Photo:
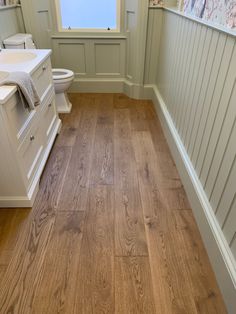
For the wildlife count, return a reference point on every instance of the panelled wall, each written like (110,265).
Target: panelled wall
(197,80)
(91,58)
(154,32)
(102,62)
(11,22)
(196,84)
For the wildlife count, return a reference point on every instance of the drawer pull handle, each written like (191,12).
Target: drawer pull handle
(32,138)
(44,68)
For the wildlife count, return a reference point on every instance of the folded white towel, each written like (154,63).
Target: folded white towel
(26,88)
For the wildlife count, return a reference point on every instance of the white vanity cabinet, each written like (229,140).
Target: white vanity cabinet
(26,139)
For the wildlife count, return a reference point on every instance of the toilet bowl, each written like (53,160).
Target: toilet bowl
(62,79)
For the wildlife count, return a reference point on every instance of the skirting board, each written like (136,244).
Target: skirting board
(107,85)
(97,86)
(218,250)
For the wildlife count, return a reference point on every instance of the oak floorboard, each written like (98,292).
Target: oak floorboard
(130,238)
(70,123)
(57,288)
(201,275)
(11,223)
(75,191)
(24,271)
(105,105)
(158,136)
(111,230)
(95,277)
(140,115)
(121,101)
(148,166)
(102,168)
(185,305)
(167,218)
(133,289)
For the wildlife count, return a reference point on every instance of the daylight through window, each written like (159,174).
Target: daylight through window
(90,15)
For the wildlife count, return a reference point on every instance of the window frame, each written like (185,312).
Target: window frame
(88,30)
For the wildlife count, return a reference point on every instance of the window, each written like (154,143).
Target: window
(88,15)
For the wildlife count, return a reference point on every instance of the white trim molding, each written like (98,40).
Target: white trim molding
(111,85)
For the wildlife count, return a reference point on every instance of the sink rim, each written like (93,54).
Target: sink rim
(16,57)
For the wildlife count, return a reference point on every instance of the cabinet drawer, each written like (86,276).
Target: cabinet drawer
(49,117)
(42,78)
(19,119)
(31,151)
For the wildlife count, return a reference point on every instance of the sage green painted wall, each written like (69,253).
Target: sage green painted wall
(11,22)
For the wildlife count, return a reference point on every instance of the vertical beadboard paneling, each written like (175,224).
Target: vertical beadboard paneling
(153,44)
(225,63)
(204,87)
(184,68)
(198,86)
(180,71)
(170,48)
(225,168)
(188,90)
(222,109)
(188,71)
(222,145)
(227,196)
(229,225)
(197,81)
(233,246)
(176,65)
(209,95)
(196,70)
(175,52)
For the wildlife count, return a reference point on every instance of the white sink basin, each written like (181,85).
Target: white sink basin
(3,75)
(7,57)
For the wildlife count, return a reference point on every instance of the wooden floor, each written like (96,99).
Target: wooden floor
(111,230)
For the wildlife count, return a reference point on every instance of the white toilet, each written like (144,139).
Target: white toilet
(62,78)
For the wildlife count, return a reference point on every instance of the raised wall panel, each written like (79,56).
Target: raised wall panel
(71,55)
(107,59)
(90,57)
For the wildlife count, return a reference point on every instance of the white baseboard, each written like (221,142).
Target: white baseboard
(107,85)
(16,202)
(217,247)
(97,86)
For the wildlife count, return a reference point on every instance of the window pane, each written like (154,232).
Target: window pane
(88,13)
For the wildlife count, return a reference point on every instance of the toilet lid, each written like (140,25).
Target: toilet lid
(59,74)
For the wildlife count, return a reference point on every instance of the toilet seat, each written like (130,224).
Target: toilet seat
(60,74)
